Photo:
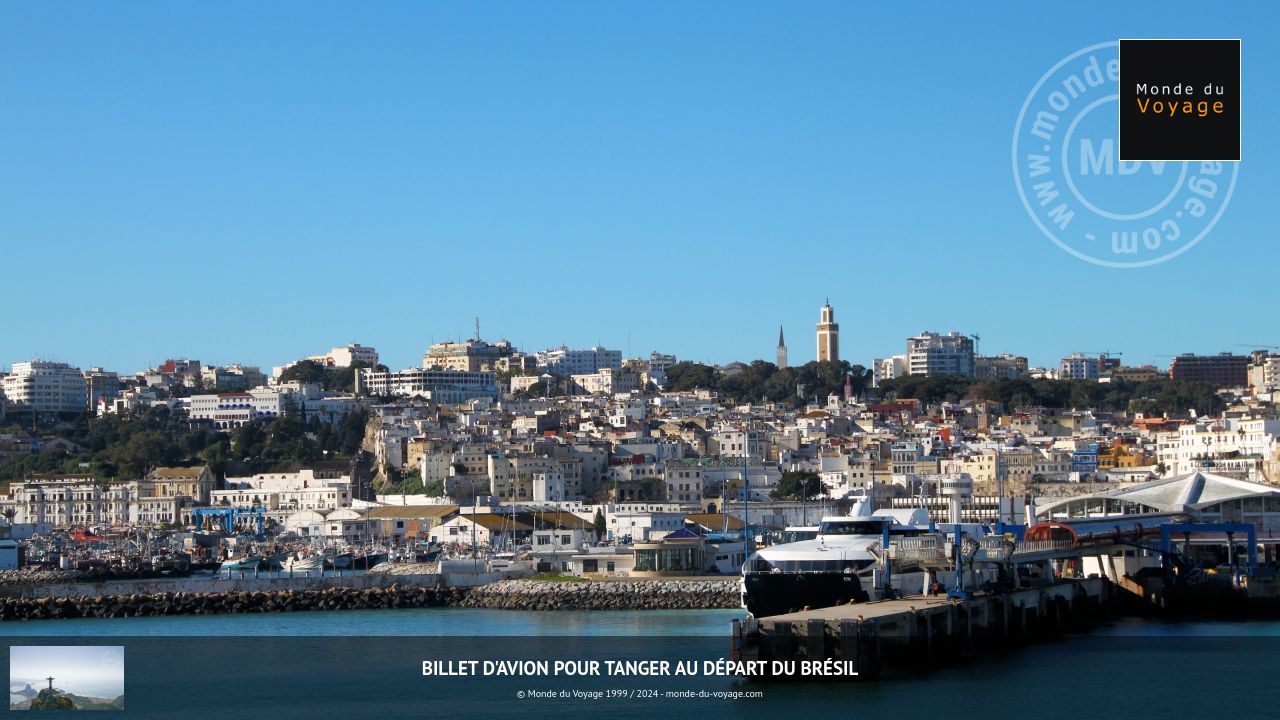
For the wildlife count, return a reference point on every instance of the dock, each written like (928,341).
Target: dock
(914,632)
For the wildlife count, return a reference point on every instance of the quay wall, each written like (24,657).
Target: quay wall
(915,632)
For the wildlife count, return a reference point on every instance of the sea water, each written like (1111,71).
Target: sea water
(346,664)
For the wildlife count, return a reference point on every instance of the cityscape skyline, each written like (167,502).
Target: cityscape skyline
(824,332)
(656,168)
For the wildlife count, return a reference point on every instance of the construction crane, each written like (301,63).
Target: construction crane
(1259,346)
(1100,353)
(977,340)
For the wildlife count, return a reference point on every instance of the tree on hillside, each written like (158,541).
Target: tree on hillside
(799,485)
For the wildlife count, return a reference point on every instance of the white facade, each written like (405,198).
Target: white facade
(445,386)
(606,381)
(548,486)
(349,355)
(932,354)
(1237,446)
(232,409)
(564,361)
(1078,367)
(889,368)
(45,386)
(81,500)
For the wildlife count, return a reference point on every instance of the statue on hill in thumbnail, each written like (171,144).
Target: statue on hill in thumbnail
(51,699)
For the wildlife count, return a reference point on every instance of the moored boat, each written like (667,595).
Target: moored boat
(828,569)
(245,564)
(302,563)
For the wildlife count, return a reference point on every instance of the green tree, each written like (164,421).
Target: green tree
(600,526)
(799,485)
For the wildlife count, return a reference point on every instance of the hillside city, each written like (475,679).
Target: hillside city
(567,450)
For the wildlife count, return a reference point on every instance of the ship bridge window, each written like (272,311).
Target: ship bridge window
(851,527)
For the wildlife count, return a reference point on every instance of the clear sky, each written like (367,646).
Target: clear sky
(90,670)
(254,182)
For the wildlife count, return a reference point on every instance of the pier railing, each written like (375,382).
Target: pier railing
(1042,546)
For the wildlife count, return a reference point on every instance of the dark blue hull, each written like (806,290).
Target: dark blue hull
(769,593)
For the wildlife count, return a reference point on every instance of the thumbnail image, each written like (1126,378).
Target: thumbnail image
(66,677)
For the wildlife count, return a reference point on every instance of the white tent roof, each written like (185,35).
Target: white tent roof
(1177,494)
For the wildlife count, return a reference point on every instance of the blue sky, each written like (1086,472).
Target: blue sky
(91,670)
(246,182)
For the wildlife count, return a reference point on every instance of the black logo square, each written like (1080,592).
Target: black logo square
(1179,100)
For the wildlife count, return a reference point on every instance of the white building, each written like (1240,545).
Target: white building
(889,368)
(1264,372)
(444,386)
(1077,366)
(932,354)
(348,355)
(605,381)
(564,361)
(230,410)
(1227,446)
(82,500)
(468,356)
(101,386)
(45,386)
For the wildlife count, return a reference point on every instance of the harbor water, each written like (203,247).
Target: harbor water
(349,664)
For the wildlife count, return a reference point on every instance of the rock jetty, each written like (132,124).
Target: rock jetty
(211,603)
(695,593)
(691,594)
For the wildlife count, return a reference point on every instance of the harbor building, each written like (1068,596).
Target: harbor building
(1206,497)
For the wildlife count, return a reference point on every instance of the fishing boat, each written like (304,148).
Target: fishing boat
(245,564)
(340,561)
(366,560)
(302,563)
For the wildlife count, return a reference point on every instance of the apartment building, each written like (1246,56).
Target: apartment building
(46,386)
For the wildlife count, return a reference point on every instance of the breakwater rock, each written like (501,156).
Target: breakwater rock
(36,576)
(390,568)
(691,594)
(211,603)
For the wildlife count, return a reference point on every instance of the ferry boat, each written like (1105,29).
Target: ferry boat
(828,569)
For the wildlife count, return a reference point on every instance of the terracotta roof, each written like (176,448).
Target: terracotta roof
(713,521)
(170,473)
(411,511)
(494,521)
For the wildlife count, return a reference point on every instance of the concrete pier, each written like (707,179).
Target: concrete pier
(918,631)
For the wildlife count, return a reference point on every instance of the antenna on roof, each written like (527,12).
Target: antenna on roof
(477,328)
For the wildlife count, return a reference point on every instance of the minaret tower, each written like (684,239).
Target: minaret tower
(782,350)
(828,335)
